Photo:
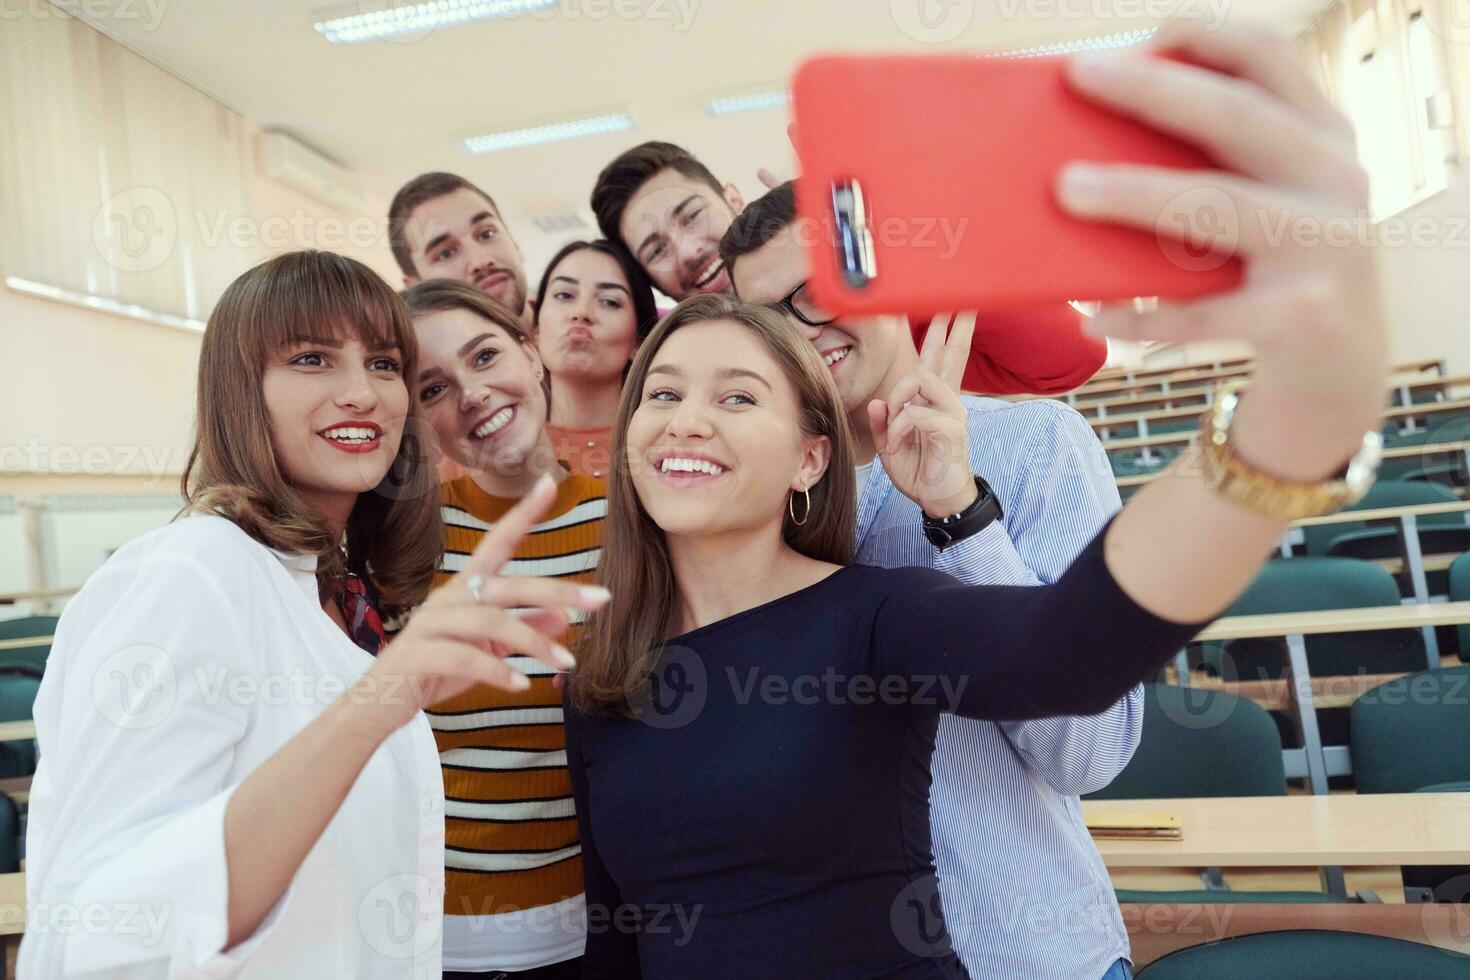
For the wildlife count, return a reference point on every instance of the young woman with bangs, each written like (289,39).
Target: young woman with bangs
(235,770)
(594,304)
(513,902)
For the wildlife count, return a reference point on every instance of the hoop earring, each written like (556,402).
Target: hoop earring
(791,507)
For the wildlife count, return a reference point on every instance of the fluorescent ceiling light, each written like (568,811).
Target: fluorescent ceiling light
(569,129)
(411,18)
(749,102)
(103,303)
(1102,42)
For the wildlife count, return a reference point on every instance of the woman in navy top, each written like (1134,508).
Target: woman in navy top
(750,726)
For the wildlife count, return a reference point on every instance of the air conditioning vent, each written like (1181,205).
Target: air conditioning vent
(554,222)
(292,163)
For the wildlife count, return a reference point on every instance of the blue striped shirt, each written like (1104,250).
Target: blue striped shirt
(1024,890)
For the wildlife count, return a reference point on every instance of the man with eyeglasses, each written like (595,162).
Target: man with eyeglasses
(670,211)
(1024,891)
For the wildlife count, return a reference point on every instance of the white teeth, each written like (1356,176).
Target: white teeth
(677,464)
(710,272)
(494,423)
(835,356)
(350,434)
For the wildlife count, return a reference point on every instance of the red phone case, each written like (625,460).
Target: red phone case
(956,157)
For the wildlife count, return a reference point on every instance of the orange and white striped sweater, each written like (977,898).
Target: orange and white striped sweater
(510,833)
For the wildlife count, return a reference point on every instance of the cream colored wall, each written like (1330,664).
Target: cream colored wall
(88,396)
(1427,286)
(93,402)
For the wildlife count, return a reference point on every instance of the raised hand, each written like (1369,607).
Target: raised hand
(919,430)
(1309,303)
(460,636)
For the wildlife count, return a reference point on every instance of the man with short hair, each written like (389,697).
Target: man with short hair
(441,226)
(671,211)
(1024,891)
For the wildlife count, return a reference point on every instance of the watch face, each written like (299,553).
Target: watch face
(937,536)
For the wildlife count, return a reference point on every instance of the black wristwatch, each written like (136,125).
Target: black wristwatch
(945,531)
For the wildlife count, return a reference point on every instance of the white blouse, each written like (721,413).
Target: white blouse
(189,658)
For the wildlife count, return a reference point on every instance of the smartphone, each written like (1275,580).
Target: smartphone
(928,182)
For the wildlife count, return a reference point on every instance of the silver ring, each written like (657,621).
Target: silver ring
(476,585)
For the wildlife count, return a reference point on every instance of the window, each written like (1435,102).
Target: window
(1387,79)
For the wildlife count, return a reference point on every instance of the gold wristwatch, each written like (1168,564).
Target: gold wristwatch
(1283,500)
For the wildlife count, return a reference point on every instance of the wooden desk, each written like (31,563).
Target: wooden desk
(1157,929)
(10,598)
(1281,695)
(12,903)
(1337,621)
(23,642)
(1104,406)
(1144,419)
(1161,384)
(17,731)
(1228,368)
(1398,452)
(1295,831)
(1179,438)
(1403,388)
(1148,442)
(1138,374)
(1313,758)
(1411,558)
(1385,513)
(1428,408)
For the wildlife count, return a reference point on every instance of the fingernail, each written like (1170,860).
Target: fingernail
(595,594)
(1080,185)
(1094,66)
(520,682)
(564,656)
(545,479)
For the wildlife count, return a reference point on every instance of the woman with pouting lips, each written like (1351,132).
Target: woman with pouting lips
(593,306)
(232,757)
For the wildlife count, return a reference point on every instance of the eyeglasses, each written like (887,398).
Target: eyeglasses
(803,307)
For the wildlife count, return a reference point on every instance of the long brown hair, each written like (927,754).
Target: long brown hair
(620,645)
(394,537)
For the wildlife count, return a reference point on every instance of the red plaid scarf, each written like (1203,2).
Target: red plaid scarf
(364,624)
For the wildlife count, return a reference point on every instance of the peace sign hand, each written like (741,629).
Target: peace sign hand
(920,431)
(461,634)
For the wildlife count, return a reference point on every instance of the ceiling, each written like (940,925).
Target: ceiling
(391,109)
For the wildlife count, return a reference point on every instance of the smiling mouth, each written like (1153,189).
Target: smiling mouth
(494,423)
(711,273)
(683,471)
(832,358)
(353,438)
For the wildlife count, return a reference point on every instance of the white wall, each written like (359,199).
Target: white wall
(1427,286)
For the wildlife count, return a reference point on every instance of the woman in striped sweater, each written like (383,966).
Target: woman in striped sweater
(513,872)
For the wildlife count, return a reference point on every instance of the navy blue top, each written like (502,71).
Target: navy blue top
(767,814)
